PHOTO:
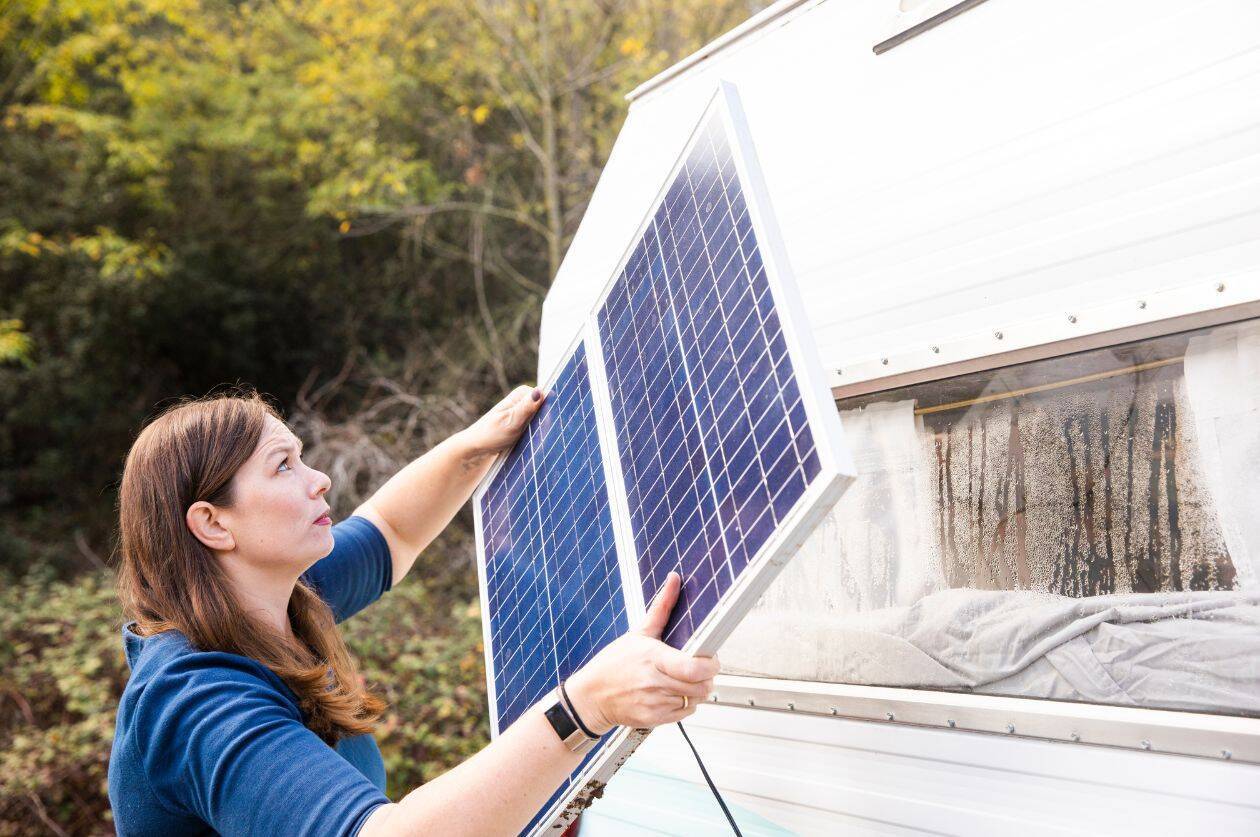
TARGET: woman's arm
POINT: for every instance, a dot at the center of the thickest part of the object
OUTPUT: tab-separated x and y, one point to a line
415	505
635	681
497	791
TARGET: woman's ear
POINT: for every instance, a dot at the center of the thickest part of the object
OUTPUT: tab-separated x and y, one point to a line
203	521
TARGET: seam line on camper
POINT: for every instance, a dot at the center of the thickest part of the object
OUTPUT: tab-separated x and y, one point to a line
923	26
754	24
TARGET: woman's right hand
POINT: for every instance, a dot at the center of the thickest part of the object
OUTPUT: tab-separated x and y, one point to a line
639	681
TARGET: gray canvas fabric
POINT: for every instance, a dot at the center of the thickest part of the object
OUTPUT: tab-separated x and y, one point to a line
1189	650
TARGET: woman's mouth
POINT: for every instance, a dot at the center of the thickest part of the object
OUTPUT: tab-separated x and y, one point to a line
323	520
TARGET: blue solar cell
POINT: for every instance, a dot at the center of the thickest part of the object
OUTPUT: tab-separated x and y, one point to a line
708	416
553	585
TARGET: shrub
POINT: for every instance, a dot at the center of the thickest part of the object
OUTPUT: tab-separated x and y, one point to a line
62	672
422	652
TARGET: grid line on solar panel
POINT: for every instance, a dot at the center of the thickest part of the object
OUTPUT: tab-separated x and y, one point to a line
704	398
552	578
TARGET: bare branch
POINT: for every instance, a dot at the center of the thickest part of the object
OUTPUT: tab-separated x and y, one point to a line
467	206
476	249
503	267
85	549
40	811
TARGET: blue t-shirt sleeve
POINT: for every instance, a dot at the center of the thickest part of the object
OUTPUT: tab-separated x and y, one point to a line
220	742
357	571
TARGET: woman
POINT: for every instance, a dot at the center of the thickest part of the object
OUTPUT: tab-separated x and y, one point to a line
244	712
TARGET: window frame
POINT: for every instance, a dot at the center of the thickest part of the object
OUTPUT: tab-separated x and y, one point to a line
1201	305
1217	736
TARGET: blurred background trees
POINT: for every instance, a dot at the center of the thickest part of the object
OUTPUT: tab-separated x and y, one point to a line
354	206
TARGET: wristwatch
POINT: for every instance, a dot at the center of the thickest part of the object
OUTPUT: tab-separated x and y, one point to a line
567	726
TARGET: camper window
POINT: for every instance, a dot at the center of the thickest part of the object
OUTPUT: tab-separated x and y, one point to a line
1084	528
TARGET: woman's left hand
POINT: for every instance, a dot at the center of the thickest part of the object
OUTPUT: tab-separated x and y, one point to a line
637	680
499	428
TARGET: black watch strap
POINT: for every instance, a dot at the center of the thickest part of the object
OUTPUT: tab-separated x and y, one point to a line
577	719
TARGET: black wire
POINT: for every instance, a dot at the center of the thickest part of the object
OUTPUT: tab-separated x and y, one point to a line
712	786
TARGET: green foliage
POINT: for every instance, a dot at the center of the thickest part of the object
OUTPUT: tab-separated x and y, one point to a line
422	653
62	672
15	344
206	193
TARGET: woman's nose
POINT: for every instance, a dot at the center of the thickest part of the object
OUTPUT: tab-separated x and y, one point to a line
321	484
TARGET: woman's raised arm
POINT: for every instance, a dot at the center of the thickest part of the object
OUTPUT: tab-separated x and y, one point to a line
417	503
636	680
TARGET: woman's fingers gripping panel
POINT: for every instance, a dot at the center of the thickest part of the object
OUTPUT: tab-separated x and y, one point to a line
686	669
519	406
693	689
658	612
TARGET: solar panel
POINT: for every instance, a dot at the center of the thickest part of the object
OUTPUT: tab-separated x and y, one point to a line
710	423
697	383
551	582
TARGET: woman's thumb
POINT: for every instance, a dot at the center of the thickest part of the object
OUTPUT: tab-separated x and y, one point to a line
658	612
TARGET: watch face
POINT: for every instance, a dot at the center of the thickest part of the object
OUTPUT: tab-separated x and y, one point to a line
561	722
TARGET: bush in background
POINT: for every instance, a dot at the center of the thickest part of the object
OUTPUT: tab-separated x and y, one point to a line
62	671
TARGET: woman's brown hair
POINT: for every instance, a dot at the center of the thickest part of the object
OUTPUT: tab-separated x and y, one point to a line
169	580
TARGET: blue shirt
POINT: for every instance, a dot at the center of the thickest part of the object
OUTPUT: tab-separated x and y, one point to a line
213	742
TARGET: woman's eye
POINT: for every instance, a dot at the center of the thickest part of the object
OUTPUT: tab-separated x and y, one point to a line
285	465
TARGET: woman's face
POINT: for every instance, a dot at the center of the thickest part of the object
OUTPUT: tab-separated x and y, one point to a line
278	512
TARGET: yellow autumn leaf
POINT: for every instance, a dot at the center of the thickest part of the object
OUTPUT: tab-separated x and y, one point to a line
345	227
631	46
481	114
308	151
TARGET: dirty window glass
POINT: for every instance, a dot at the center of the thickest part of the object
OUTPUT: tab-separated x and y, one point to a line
1084	528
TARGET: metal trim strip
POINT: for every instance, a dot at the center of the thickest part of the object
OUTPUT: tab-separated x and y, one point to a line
1219	737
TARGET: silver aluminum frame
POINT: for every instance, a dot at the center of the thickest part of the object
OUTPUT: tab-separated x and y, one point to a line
1220	737
1204	303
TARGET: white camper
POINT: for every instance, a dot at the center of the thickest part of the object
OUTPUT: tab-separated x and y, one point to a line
1027	234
